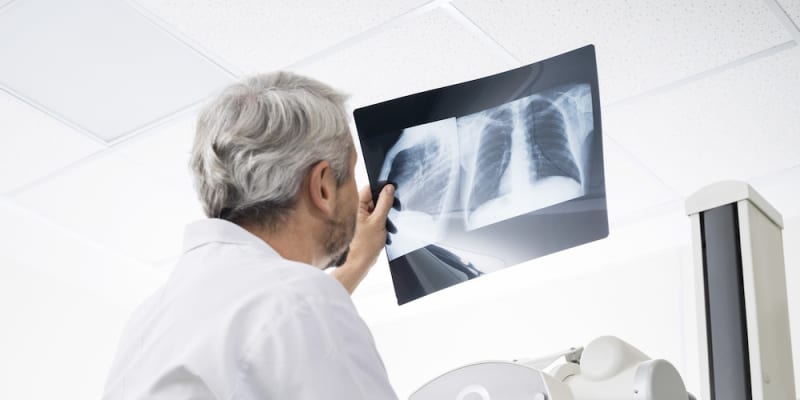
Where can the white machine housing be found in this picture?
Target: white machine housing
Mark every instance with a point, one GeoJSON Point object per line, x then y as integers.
{"type": "Point", "coordinates": [611, 369]}
{"type": "Point", "coordinates": [607, 369]}
{"type": "Point", "coordinates": [743, 319]}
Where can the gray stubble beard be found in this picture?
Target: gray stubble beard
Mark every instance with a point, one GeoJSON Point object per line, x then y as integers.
{"type": "Point", "coordinates": [336, 243]}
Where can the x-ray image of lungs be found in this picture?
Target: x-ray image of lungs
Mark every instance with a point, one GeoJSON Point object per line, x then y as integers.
{"type": "Point", "coordinates": [490, 173]}
{"type": "Point", "coordinates": [524, 155]}
{"type": "Point", "coordinates": [424, 166]}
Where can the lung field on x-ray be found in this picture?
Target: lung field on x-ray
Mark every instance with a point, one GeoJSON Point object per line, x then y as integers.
{"type": "Point", "coordinates": [489, 166]}
{"type": "Point", "coordinates": [423, 176]}
{"type": "Point", "coordinates": [493, 158]}
{"type": "Point", "coordinates": [548, 142]}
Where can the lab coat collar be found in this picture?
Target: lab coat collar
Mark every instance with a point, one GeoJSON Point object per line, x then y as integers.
{"type": "Point", "coordinates": [212, 230]}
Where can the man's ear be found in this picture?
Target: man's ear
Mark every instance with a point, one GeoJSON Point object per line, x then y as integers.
{"type": "Point", "coordinates": [321, 187]}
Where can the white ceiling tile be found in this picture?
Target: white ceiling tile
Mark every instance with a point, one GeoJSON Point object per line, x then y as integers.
{"type": "Point", "coordinates": [164, 151]}
{"type": "Point", "coordinates": [99, 64]}
{"type": "Point", "coordinates": [782, 190]}
{"type": "Point", "coordinates": [631, 190]}
{"type": "Point", "coordinates": [430, 51]}
{"type": "Point", "coordinates": [738, 124]}
{"type": "Point", "coordinates": [792, 8]}
{"type": "Point", "coordinates": [641, 44]}
{"type": "Point", "coordinates": [258, 35]}
{"type": "Point", "coordinates": [34, 145]}
{"type": "Point", "coordinates": [119, 204]}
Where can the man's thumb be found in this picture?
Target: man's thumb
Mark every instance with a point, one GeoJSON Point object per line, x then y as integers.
{"type": "Point", "coordinates": [384, 203]}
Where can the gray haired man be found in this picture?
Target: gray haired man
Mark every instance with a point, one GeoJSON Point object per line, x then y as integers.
{"type": "Point", "coordinates": [248, 313]}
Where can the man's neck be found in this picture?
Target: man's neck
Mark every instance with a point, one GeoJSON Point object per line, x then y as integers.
{"type": "Point", "coordinates": [289, 242]}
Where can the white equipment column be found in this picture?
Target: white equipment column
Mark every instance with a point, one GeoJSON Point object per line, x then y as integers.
{"type": "Point", "coordinates": [745, 346]}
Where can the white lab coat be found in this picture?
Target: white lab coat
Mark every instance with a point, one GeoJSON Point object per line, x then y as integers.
{"type": "Point", "coordinates": [237, 321]}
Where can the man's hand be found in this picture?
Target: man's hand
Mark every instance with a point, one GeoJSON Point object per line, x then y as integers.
{"type": "Point", "coordinates": [369, 238]}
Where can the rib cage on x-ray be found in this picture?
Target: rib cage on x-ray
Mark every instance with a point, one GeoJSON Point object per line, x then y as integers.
{"type": "Point", "coordinates": [424, 165]}
{"type": "Point", "coordinates": [491, 165]}
{"type": "Point", "coordinates": [548, 143]}
{"type": "Point", "coordinates": [493, 158]}
{"type": "Point", "coordinates": [533, 134]}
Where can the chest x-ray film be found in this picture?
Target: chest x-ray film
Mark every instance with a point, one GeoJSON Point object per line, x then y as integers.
{"type": "Point", "coordinates": [490, 172]}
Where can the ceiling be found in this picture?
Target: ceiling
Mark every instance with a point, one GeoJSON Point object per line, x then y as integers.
{"type": "Point", "coordinates": [99, 97]}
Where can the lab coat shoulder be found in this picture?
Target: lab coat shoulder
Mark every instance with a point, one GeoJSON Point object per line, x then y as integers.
{"type": "Point", "coordinates": [317, 346]}
{"type": "Point", "coordinates": [269, 297]}
{"type": "Point", "coordinates": [234, 323]}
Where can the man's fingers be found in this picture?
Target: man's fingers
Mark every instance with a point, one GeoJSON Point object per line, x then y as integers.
{"type": "Point", "coordinates": [390, 226]}
{"type": "Point", "coordinates": [385, 200]}
{"type": "Point", "coordinates": [396, 204]}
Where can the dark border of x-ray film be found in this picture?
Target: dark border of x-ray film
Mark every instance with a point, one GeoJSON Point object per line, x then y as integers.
{"type": "Point", "coordinates": [538, 233]}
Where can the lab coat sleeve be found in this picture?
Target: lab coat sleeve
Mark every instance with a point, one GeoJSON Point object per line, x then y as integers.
{"type": "Point", "coordinates": [320, 350]}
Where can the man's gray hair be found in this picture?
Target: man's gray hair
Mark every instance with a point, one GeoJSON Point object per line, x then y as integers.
{"type": "Point", "coordinates": [259, 138]}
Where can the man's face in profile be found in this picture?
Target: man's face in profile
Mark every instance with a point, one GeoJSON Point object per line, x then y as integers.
{"type": "Point", "coordinates": [343, 225]}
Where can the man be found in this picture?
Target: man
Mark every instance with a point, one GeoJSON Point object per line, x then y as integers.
{"type": "Point", "coordinates": [248, 312]}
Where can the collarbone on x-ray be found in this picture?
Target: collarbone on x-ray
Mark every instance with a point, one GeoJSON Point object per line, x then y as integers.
{"type": "Point", "coordinates": [467, 172]}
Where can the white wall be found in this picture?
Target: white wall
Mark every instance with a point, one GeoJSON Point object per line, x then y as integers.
{"type": "Point", "coordinates": [57, 340]}
{"type": "Point", "coordinates": [63, 304]}
{"type": "Point", "coordinates": [62, 313]}
{"type": "Point", "coordinates": [629, 285]}
{"type": "Point", "coordinates": [635, 300]}
{"type": "Point", "coordinates": [637, 285]}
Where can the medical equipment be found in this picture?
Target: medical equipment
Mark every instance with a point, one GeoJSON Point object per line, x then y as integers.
{"type": "Point", "coordinates": [745, 347]}
{"type": "Point", "coordinates": [743, 317]}
{"type": "Point", "coordinates": [606, 369]}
